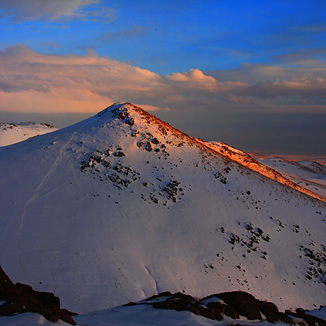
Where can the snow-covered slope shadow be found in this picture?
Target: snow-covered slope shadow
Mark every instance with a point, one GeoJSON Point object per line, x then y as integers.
{"type": "Point", "coordinates": [122, 206]}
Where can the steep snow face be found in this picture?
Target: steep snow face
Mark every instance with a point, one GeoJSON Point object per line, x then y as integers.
{"type": "Point", "coordinates": [122, 206]}
{"type": "Point", "coordinates": [274, 169]}
{"type": "Point", "coordinates": [11, 133]}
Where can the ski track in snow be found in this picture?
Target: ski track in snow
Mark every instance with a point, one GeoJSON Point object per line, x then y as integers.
{"type": "Point", "coordinates": [32, 199]}
{"type": "Point", "coordinates": [155, 283]}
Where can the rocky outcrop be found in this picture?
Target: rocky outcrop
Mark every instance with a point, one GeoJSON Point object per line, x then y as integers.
{"type": "Point", "coordinates": [232, 305]}
{"type": "Point", "coordinates": [244, 303]}
{"type": "Point", "coordinates": [19, 298]}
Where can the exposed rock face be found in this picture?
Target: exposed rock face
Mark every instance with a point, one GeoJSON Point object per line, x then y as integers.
{"type": "Point", "coordinates": [21, 298]}
{"type": "Point", "coordinates": [243, 302]}
{"type": "Point", "coordinates": [177, 301]}
{"type": "Point", "coordinates": [213, 309]}
{"type": "Point", "coordinates": [230, 304]}
{"type": "Point", "coordinates": [270, 310]}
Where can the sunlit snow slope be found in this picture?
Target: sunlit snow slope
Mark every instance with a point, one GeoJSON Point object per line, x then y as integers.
{"type": "Point", "coordinates": [307, 174]}
{"type": "Point", "coordinates": [122, 206]}
{"type": "Point", "coordinates": [291, 176]}
{"type": "Point", "coordinates": [11, 133]}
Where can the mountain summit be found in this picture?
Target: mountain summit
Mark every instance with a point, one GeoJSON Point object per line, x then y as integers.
{"type": "Point", "coordinates": [122, 206]}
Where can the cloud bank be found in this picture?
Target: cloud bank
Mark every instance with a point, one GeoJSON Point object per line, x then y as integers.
{"type": "Point", "coordinates": [34, 82]}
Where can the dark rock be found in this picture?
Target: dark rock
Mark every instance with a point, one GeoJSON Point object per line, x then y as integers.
{"type": "Point", "coordinates": [119, 154]}
{"type": "Point", "coordinates": [217, 307]}
{"type": "Point", "coordinates": [130, 121]}
{"type": "Point", "coordinates": [244, 303]}
{"type": "Point", "coordinates": [70, 313]}
{"type": "Point", "coordinates": [8, 309]}
{"type": "Point", "coordinates": [130, 304]}
{"type": "Point", "coordinates": [22, 298]}
{"type": "Point", "coordinates": [270, 310]}
{"type": "Point", "coordinates": [148, 146]}
{"type": "Point", "coordinates": [177, 301]}
{"type": "Point", "coordinates": [309, 319]}
{"type": "Point", "coordinates": [225, 309]}
{"type": "Point", "coordinates": [213, 312]}
{"type": "Point", "coordinates": [284, 317]}
{"type": "Point", "coordinates": [7, 287]}
{"type": "Point", "coordinates": [230, 312]}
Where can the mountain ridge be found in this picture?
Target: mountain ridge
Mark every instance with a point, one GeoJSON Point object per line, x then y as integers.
{"type": "Point", "coordinates": [248, 161]}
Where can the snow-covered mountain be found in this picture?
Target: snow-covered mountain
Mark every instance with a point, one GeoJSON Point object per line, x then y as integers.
{"type": "Point", "coordinates": [122, 206]}
{"type": "Point", "coordinates": [11, 133]}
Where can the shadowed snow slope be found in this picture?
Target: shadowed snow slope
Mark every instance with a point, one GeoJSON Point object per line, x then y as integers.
{"type": "Point", "coordinates": [122, 206]}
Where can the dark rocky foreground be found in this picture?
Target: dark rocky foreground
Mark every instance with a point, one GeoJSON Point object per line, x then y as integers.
{"type": "Point", "coordinates": [19, 298]}
{"type": "Point", "coordinates": [230, 304]}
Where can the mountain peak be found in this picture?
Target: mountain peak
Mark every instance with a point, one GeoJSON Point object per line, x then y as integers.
{"type": "Point", "coordinates": [130, 113]}
{"type": "Point", "coordinates": [143, 126]}
{"type": "Point", "coordinates": [126, 112]}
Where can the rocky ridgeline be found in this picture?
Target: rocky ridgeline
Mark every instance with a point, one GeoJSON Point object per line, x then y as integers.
{"type": "Point", "coordinates": [230, 304]}
{"type": "Point", "coordinates": [19, 298]}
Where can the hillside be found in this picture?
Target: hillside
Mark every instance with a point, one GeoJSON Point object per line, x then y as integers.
{"type": "Point", "coordinates": [11, 133]}
{"type": "Point", "coordinates": [122, 206]}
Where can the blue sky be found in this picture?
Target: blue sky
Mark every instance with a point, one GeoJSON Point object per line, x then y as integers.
{"type": "Point", "coordinates": [204, 66]}
{"type": "Point", "coordinates": [172, 36]}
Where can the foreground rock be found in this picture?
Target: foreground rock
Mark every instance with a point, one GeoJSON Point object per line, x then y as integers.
{"type": "Point", "coordinates": [19, 298]}
{"type": "Point", "coordinates": [230, 304]}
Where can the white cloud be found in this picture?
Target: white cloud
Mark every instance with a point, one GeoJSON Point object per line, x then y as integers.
{"type": "Point", "coordinates": [75, 83]}
{"type": "Point", "coordinates": [194, 78]}
{"type": "Point", "coordinates": [34, 82]}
